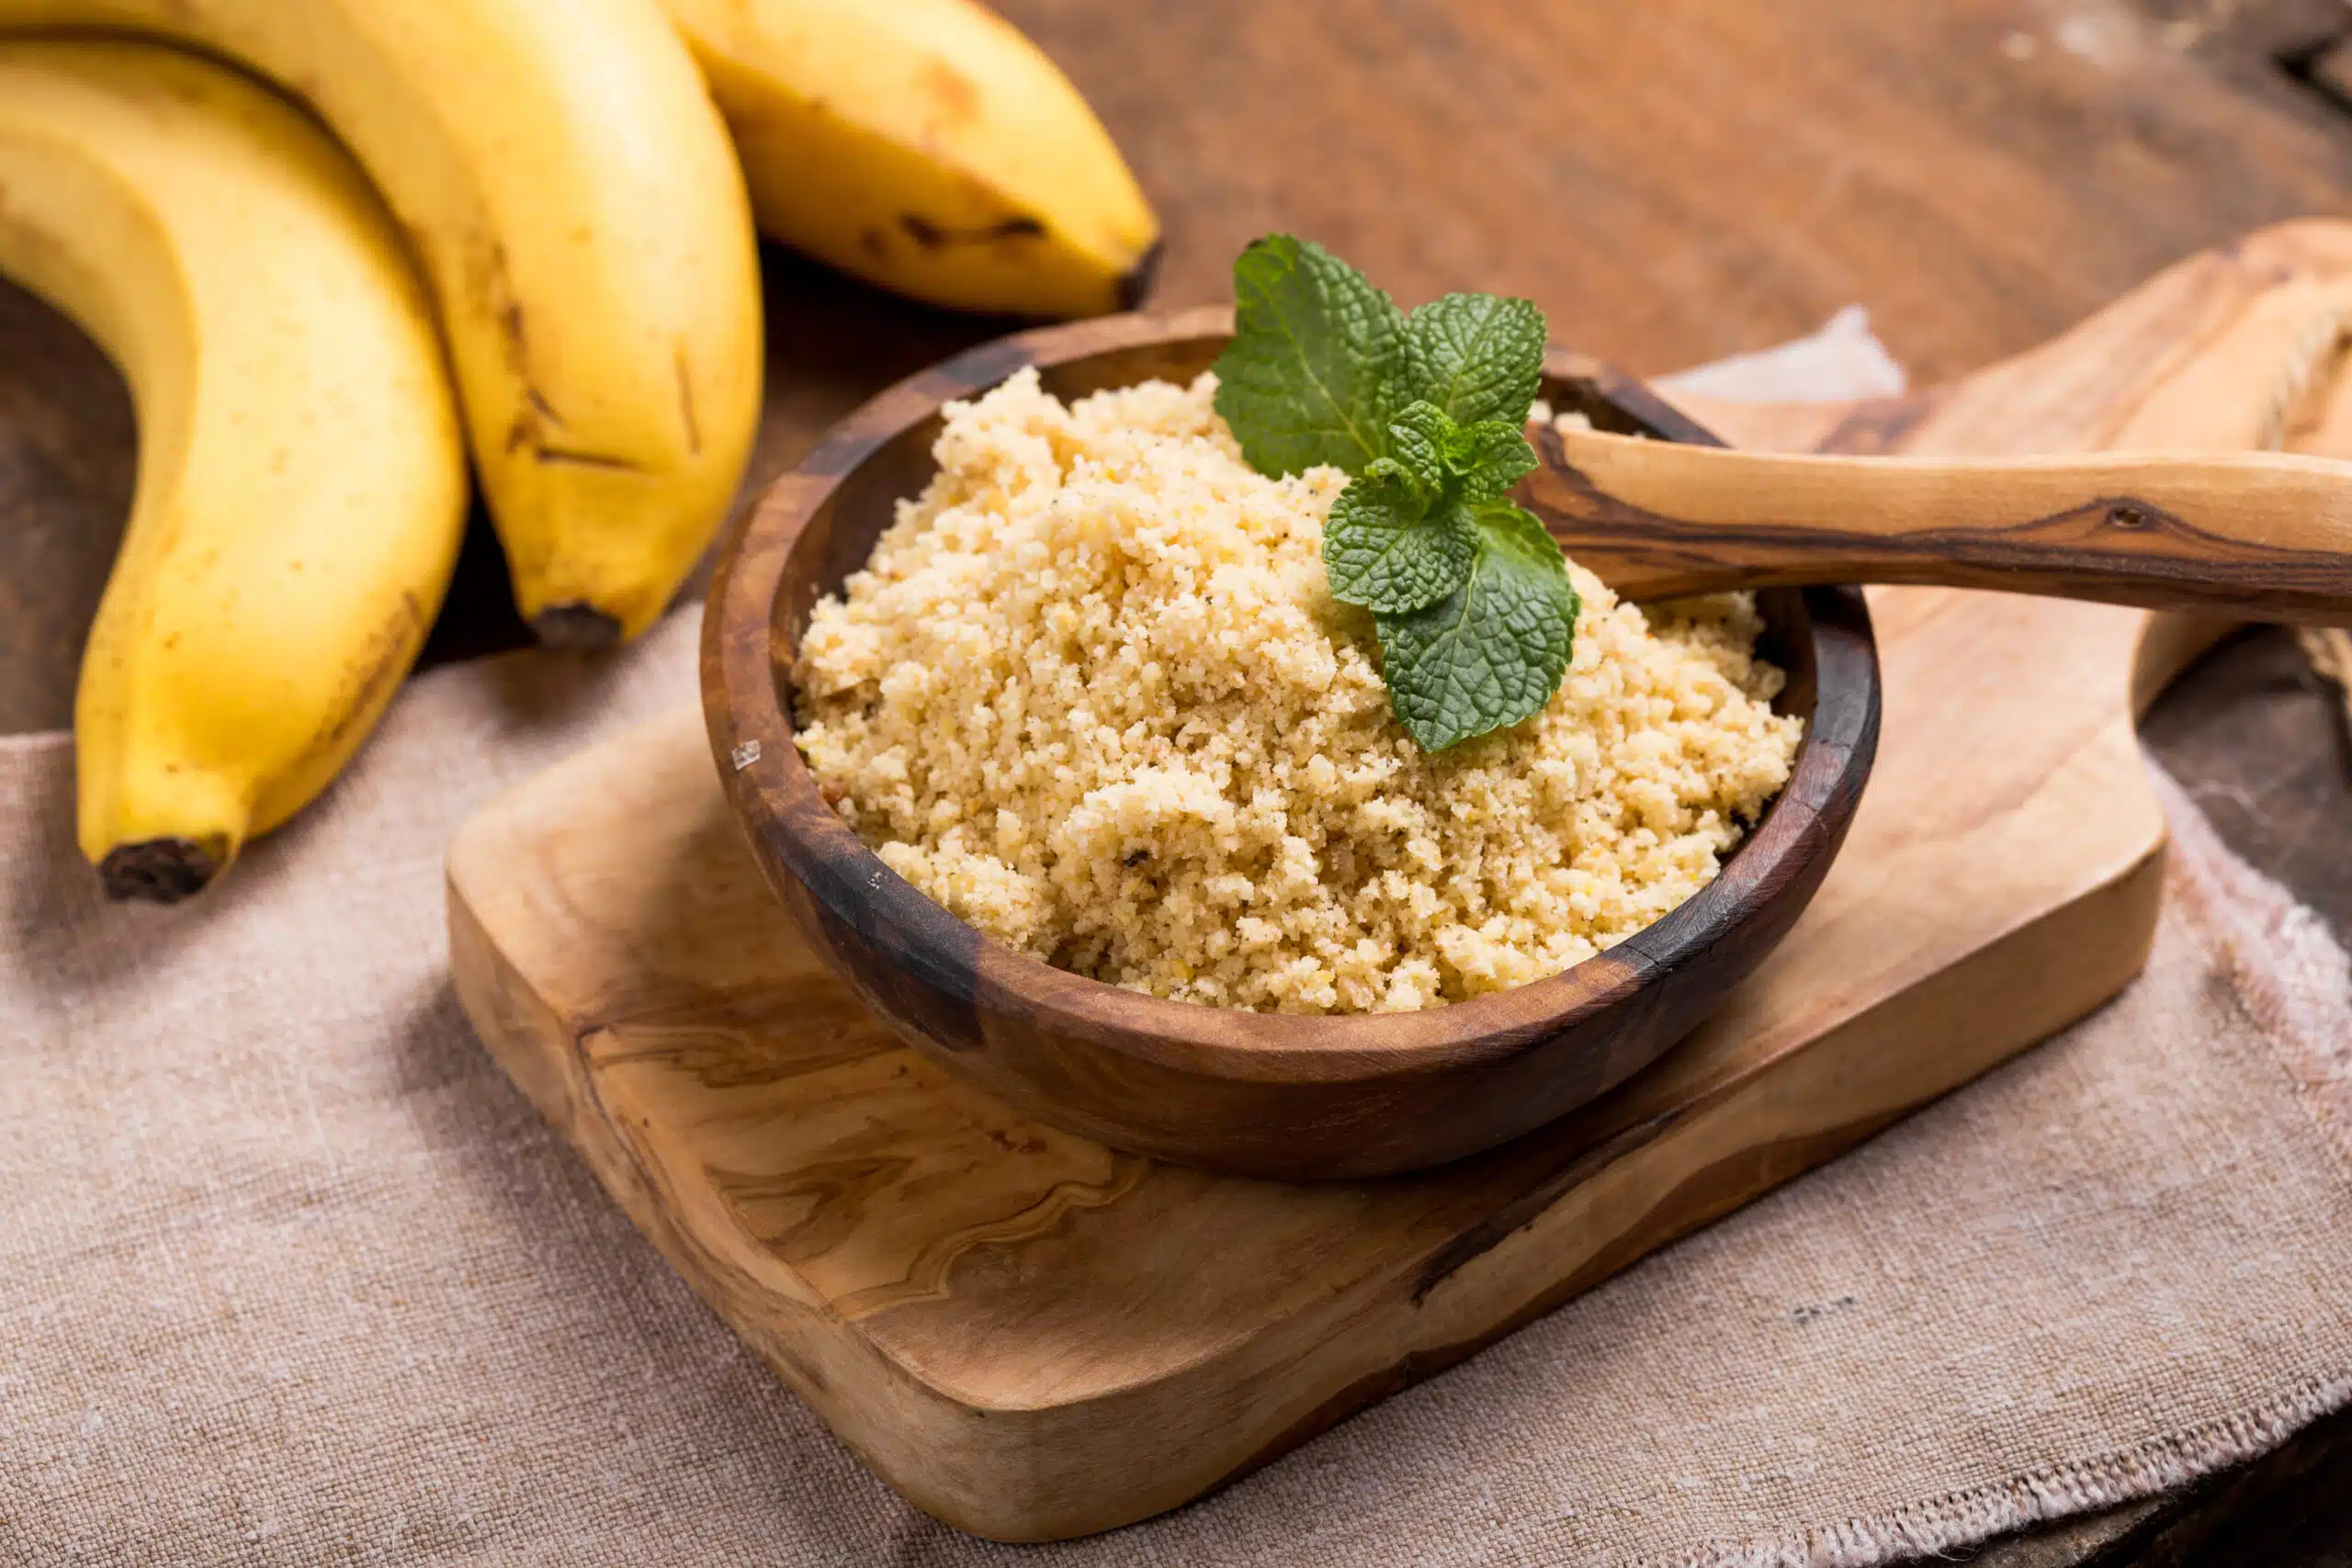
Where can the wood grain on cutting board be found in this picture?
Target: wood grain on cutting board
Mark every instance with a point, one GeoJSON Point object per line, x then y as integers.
{"type": "Point", "coordinates": [1033, 1336]}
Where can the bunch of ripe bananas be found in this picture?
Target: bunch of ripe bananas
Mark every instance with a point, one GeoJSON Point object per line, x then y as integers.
{"type": "Point", "coordinates": [532, 244]}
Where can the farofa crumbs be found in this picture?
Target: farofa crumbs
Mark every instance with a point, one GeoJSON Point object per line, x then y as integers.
{"type": "Point", "coordinates": [1093, 695]}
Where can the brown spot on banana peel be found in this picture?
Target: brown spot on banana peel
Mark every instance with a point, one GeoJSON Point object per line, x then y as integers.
{"type": "Point", "coordinates": [531, 421]}
{"type": "Point", "coordinates": [1131, 288]}
{"type": "Point", "coordinates": [932, 236]}
{"type": "Point", "coordinates": [527, 432]}
{"type": "Point", "coordinates": [510, 333]}
{"type": "Point", "coordinates": [553, 455]}
{"type": "Point", "coordinates": [950, 91]}
{"type": "Point", "coordinates": [490, 290]}
{"type": "Point", "coordinates": [386, 658]}
{"type": "Point", "coordinates": [686, 399]}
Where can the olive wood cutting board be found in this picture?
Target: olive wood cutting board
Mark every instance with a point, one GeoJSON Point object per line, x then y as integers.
{"type": "Point", "coordinates": [1033, 1336]}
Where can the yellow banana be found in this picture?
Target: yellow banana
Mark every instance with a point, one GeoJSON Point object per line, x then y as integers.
{"type": "Point", "coordinates": [925, 145]}
{"type": "Point", "coordinates": [301, 478]}
{"type": "Point", "coordinates": [570, 193]}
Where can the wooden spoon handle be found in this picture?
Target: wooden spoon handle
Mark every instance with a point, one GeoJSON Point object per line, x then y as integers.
{"type": "Point", "coordinates": [2252, 535]}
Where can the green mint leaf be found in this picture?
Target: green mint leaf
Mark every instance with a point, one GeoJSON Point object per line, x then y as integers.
{"type": "Point", "coordinates": [1487, 459]}
{"type": "Point", "coordinates": [1478, 461]}
{"type": "Point", "coordinates": [1418, 438]}
{"type": "Point", "coordinates": [1386, 549]}
{"type": "Point", "coordinates": [1492, 652]}
{"type": "Point", "coordinates": [1314, 365]}
{"type": "Point", "coordinates": [1425, 413]}
{"type": "Point", "coordinates": [1476, 356]}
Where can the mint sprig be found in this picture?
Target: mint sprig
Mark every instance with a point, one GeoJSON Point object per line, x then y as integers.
{"type": "Point", "coordinates": [1476, 356]}
{"type": "Point", "coordinates": [1316, 361]}
{"type": "Point", "coordinates": [1492, 651]}
{"type": "Point", "coordinates": [1404, 533]}
{"type": "Point", "coordinates": [1394, 542]}
{"type": "Point", "coordinates": [1425, 413]}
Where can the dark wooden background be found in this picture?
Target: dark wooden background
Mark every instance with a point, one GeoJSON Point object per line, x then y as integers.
{"type": "Point", "coordinates": [1672, 180]}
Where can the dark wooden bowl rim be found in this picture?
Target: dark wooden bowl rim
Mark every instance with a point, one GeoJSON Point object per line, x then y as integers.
{"type": "Point", "coordinates": [752, 737]}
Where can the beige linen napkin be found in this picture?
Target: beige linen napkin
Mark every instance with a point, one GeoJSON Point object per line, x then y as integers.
{"type": "Point", "coordinates": [289, 1273]}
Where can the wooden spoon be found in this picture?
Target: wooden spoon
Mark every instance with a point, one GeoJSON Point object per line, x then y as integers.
{"type": "Point", "coordinates": [2261, 536]}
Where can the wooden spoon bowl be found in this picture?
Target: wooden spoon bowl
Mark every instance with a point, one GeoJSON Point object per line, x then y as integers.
{"type": "Point", "coordinates": [1263, 1094]}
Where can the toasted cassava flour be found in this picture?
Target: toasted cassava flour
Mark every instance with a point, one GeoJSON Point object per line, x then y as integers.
{"type": "Point", "coordinates": [1093, 695]}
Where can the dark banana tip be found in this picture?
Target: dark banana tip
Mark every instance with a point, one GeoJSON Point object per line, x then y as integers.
{"type": "Point", "coordinates": [1135, 284]}
{"type": "Point", "coordinates": [575, 628]}
{"type": "Point", "coordinates": [159, 871]}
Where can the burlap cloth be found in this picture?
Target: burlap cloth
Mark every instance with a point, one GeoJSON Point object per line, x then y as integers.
{"type": "Point", "coordinates": [290, 1274]}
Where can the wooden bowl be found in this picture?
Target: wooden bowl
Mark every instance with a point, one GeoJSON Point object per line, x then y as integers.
{"type": "Point", "coordinates": [1262, 1094]}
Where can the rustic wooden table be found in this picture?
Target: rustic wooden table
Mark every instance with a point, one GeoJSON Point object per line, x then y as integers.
{"type": "Point", "coordinates": [1671, 182]}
